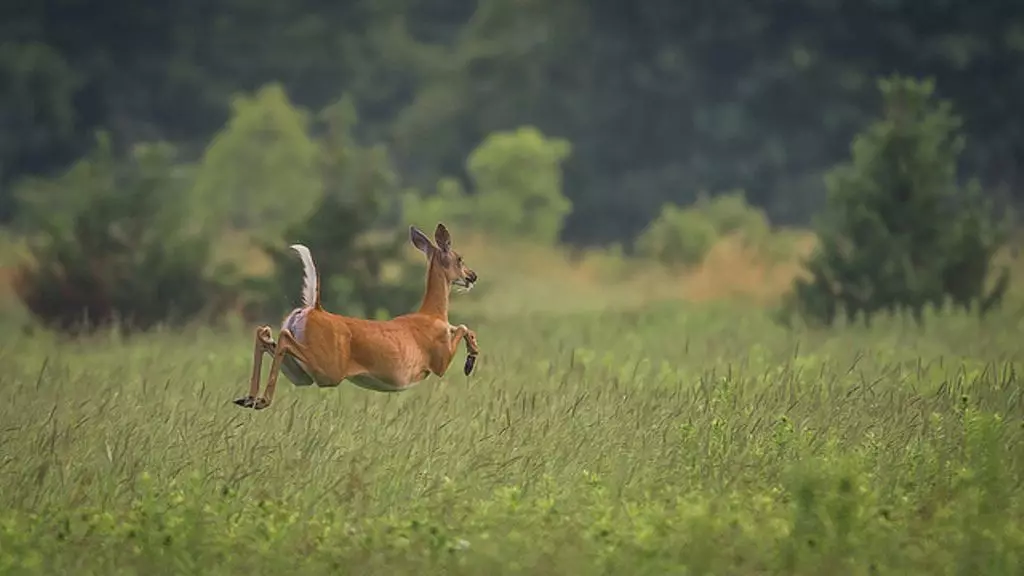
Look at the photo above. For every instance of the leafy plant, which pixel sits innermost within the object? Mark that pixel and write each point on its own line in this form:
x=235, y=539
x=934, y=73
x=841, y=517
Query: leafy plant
x=259, y=172
x=449, y=204
x=731, y=214
x=111, y=243
x=352, y=230
x=679, y=236
x=518, y=181
x=899, y=230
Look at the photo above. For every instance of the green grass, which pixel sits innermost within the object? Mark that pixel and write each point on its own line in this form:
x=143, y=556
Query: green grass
x=670, y=440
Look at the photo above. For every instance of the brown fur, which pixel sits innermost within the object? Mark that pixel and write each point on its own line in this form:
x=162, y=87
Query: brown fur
x=387, y=356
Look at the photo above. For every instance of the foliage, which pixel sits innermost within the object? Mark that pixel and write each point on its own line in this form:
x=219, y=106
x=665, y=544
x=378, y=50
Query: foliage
x=351, y=231
x=517, y=176
x=259, y=172
x=730, y=213
x=450, y=204
x=669, y=98
x=678, y=237
x=111, y=242
x=669, y=440
x=36, y=108
x=900, y=232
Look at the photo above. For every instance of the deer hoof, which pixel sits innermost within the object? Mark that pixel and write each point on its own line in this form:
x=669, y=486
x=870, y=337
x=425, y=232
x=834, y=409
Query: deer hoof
x=470, y=363
x=245, y=402
x=260, y=403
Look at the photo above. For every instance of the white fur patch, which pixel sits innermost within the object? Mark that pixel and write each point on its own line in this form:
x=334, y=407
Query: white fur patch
x=296, y=324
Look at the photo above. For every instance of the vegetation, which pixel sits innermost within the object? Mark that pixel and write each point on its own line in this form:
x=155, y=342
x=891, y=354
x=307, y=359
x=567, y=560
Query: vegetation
x=351, y=232
x=259, y=172
x=685, y=236
x=679, y=236
x=517, y=185
x=518, y=181
x=679, y=438
x=899, y=231
x=157, y=160
x=112, y=241
x=658, y=103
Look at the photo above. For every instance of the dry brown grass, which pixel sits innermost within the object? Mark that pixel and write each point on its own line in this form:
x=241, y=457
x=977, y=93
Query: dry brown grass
x=523, y=276
x=518, y=277
x=733, y=270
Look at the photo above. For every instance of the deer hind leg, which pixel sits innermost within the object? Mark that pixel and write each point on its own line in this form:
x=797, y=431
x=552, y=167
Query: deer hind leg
x=286, y=345
x=264, y=345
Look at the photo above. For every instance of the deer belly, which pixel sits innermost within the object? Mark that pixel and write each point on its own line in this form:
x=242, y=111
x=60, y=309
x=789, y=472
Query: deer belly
x=295, y=371
x=376, y=383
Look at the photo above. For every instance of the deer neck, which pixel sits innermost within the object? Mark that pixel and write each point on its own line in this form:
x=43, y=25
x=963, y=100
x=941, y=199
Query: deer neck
x=435, y=299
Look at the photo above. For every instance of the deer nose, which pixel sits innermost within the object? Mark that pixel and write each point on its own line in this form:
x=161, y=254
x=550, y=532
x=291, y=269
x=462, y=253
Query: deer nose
x=471, y=276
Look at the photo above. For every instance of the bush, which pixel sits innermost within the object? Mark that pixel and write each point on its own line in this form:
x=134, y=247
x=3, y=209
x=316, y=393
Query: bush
x=899, y=231
x=733, y=216
x=518, y=181
x=111, y=243
x=730, y=214
x=684, y=236
x=517, y=178
x=449, y=204
x=678, y=236
x=259, y=172
x=351, y=232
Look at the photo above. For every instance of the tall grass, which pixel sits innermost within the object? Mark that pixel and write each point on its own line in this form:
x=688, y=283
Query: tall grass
x=672, y=439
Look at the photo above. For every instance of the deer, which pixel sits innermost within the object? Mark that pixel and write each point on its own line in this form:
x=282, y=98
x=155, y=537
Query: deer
x=317, y=346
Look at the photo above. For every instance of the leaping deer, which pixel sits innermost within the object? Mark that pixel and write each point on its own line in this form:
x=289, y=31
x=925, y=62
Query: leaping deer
x=317, y=346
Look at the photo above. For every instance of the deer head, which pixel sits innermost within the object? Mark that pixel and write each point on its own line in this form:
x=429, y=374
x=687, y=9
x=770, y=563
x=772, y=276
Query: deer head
x=442, y=258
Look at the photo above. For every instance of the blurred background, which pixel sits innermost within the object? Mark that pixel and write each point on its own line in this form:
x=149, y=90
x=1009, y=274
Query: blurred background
x=157, y=158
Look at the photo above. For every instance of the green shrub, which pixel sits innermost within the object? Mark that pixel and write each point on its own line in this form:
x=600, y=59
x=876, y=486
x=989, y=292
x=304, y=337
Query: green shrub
x=730, y=213
x=518, y=181
x=449, y=204
x=352, y=232
x=684, y=236
x=111, y=242
x=899, y=232
x=259, y=172
x=677, y=237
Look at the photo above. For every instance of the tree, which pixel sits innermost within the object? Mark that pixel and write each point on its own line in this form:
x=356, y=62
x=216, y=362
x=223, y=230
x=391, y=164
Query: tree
x=352, y=230
x=110, y=244
x=899, y=230
x=678, y=237
x=518, y=181
x=450, y=204
x=258, y=173
x=36, y=110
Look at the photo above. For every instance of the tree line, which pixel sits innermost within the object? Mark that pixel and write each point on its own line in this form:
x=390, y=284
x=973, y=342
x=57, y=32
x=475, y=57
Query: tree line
x=661, y=101
x=133, y=154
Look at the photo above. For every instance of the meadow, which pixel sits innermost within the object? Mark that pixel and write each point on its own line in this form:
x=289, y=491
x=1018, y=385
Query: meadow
x=601, y=433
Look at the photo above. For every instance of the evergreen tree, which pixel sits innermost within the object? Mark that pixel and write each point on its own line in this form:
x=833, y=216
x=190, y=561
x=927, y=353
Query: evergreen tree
x=899, y=230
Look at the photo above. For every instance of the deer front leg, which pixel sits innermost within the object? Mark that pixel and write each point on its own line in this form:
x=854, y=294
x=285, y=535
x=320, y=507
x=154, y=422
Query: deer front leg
x=264, y=345
x=472, y=349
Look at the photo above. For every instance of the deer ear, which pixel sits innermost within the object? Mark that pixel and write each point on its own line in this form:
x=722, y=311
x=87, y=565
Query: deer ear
x=420, y=240
x=442, y=237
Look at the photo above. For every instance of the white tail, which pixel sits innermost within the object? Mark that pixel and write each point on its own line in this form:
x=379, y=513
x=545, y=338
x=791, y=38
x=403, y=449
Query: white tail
x=309, y=280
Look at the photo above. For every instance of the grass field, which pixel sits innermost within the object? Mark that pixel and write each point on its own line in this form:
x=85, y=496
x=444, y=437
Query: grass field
x=667, y=438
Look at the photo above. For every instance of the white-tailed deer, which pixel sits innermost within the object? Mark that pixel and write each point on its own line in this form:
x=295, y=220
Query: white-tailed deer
x=317, y=346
